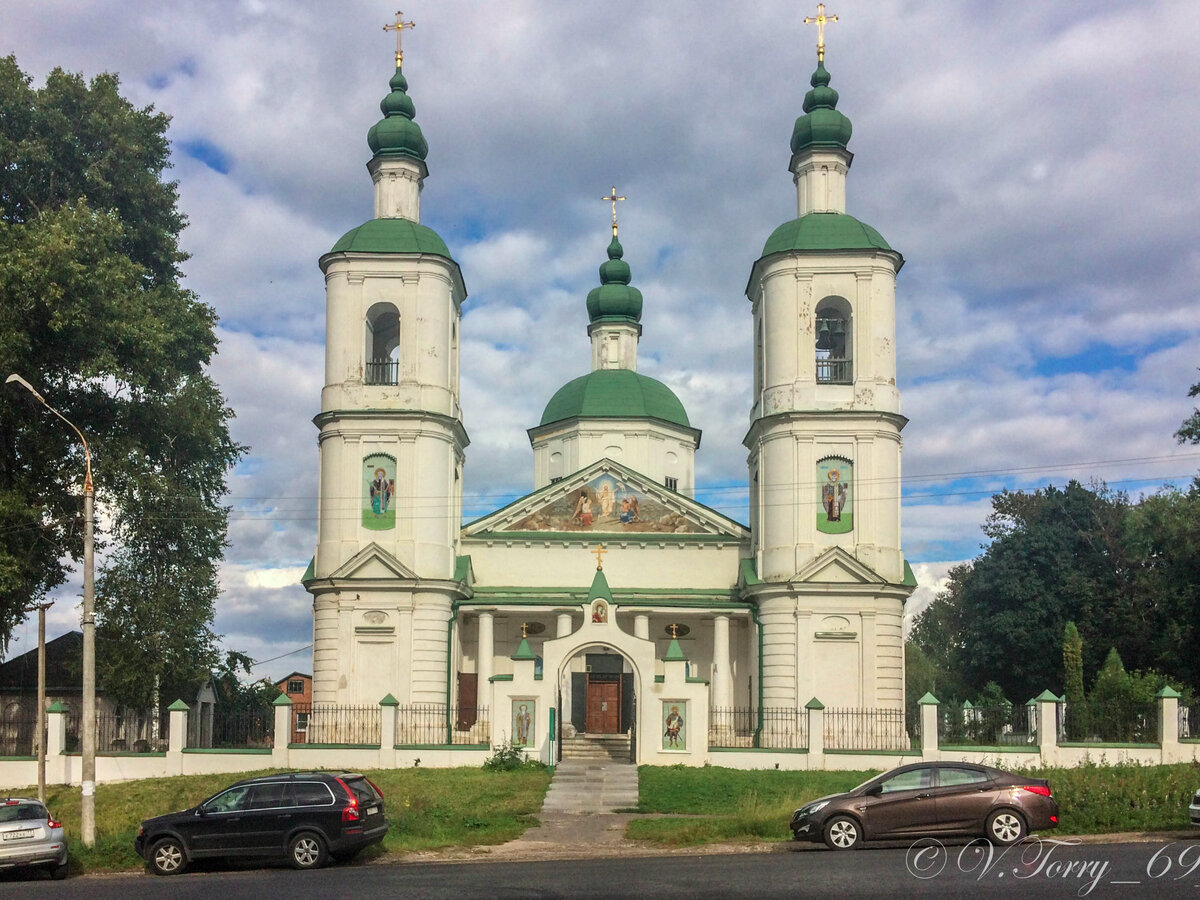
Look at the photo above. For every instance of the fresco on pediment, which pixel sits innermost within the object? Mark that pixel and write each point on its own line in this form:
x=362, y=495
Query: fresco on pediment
x=610, y=505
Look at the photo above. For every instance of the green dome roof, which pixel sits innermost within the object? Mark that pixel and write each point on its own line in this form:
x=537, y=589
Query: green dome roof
x=396, y=134
x=615, y=394
x=614, y=297
x=824, y=231
x=392, y=236
x=822, y=125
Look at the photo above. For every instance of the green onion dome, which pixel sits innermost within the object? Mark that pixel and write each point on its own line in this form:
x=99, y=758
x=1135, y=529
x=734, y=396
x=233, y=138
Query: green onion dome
x=615, y=394
x=821, y=125
x=614, y=298
x=396, y=134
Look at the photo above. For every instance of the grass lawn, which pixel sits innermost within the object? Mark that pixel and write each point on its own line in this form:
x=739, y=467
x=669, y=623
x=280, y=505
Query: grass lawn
x=428, y=808
x=727, y=805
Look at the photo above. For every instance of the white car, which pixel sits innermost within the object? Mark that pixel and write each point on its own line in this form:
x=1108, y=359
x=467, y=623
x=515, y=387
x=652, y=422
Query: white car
x=30, y=836
x=1194, y=809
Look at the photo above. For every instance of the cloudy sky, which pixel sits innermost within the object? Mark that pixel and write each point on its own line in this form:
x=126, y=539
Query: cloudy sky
x=1035, y=163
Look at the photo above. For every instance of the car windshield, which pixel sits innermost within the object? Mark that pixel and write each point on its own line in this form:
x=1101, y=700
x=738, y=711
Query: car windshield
x=362, y=789
x=21, y=812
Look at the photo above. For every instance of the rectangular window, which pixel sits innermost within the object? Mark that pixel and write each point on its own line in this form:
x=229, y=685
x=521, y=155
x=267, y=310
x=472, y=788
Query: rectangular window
x=672, y=483
x=302, y=721
x=295, y=686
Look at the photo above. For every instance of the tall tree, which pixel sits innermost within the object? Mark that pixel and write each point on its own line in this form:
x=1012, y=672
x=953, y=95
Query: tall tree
x=93, y=313
x=1072, y=664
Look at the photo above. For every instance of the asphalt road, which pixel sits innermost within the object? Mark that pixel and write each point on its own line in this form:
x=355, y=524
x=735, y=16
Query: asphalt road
x=1041, y=869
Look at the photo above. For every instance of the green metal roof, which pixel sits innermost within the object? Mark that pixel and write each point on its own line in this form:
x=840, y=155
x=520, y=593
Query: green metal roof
x=824, y=231
x=615, y=298
x=615, y=394
x=392, y=236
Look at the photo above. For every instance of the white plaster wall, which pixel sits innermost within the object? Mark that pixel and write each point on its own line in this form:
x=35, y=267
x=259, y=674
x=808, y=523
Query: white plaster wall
x=645, y=447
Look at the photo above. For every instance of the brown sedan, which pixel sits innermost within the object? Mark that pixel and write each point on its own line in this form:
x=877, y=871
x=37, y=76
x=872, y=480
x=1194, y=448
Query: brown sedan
x=930, y=799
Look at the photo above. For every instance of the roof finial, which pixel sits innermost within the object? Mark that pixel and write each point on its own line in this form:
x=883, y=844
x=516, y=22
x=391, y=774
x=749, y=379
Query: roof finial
x=820, y=20
x=599, y=551
x=399, y=29
x=613, y=198
x=524, y=630
x=674, y=630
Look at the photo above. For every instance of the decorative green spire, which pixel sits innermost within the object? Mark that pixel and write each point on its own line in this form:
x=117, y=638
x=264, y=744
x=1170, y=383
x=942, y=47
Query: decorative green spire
x=615, y=298
x=396, y=134
x=821, y=125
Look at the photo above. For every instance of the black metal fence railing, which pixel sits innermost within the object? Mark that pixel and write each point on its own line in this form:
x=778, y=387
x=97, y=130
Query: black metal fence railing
x=988, y=726
x=1189, y=721
x=780, y=728
x=123, y=732
x=17, y=732
x=1091, y=721
x=865, y=729
x=240, y=730
x=426, y=723
x=334, y=723
x=835, y=371
x=382, y=371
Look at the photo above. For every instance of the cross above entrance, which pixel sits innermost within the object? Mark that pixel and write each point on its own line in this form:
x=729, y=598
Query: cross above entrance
x=599, y=551
x=399, y=27
x=820, y=20
x=674, y=630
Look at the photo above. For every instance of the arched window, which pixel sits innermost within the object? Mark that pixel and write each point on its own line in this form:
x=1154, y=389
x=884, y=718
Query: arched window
x=835, y=360
x=382, y=345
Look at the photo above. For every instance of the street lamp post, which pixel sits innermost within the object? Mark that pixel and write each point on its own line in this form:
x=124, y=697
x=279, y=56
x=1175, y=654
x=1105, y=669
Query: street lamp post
x=88, y=808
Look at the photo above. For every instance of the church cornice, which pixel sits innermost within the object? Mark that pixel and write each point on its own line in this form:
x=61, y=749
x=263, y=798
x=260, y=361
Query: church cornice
x=455, y=426
x=787, y=417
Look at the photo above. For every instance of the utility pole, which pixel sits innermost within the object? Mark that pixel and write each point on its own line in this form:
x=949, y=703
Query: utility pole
x=88, y=805
x=40, y=738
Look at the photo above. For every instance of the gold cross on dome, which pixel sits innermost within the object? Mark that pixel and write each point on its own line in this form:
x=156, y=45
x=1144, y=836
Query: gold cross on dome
x=399, y=29
x=820, y=20
x=600, y=551
x=613, y=198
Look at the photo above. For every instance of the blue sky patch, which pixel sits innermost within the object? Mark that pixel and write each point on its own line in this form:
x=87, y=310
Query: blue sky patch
x=208, y=153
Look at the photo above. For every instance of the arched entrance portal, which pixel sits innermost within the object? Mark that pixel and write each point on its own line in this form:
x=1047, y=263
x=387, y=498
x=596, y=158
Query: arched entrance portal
x=599, y=692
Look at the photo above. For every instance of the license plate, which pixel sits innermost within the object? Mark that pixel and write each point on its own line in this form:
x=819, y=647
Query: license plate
x=371, y=810
x=18, y=835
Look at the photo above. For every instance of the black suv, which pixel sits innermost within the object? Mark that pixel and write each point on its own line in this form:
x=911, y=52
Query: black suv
x=306, y=818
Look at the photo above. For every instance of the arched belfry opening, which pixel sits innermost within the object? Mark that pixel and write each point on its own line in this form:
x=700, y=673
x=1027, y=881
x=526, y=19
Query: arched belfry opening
x=382, y=345
x=834, y=342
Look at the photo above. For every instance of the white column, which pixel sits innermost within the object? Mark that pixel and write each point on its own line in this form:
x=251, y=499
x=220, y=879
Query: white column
x=487, y=651
x=564, y=624
x=641, y=626
x=722, y=683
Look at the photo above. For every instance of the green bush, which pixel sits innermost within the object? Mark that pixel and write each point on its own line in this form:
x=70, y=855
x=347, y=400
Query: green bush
x=508, y=757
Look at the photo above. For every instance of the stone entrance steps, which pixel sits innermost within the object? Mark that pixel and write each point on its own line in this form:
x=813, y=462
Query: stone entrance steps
x=596, y=747
x=590, y=786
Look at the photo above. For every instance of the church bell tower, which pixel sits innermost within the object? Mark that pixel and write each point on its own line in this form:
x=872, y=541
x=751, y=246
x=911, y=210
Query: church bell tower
x=391, y=441
x=824, y=439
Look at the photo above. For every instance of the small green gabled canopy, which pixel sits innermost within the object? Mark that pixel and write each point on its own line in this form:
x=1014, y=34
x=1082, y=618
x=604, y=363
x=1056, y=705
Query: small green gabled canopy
x=396, y=134
x=392, y=236
x=825, y=231
x=615, y=394
x=600, y=589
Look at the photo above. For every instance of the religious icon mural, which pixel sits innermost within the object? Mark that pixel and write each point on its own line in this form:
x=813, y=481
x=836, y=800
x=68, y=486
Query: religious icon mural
x=599, y=612
x=835, y=481
x=379, y=490
x=524, y=718
x=674, y=725
x=607, y=504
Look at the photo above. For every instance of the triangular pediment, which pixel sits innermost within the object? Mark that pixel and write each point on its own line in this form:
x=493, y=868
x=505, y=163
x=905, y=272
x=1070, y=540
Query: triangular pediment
x=836, y=566
x=372, y=561
x=608, y=499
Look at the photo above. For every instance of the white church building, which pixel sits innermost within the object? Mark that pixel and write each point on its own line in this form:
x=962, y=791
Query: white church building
x=609, y=601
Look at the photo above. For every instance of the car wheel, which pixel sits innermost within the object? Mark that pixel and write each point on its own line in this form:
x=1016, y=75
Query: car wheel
x=1005, y=827
x=842, y=833
x=167, y=857
x=307, y=851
